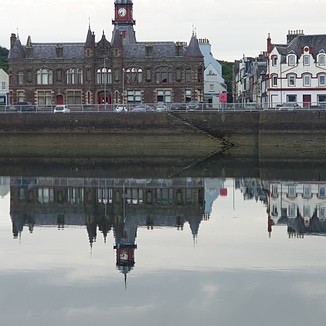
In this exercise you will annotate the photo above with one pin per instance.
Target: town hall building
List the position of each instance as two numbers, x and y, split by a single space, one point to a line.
121 70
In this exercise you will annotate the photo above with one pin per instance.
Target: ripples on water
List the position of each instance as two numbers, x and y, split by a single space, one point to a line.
181 251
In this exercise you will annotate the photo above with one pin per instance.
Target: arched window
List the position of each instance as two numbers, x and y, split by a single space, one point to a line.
74 76
21 78
164 75
134 75
44 77
104 76
321 59
291 60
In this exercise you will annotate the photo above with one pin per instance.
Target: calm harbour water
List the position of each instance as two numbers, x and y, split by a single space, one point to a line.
183 251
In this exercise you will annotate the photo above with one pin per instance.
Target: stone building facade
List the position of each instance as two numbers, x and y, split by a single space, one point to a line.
121 70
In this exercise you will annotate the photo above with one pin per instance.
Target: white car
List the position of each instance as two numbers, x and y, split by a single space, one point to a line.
61 109
121 108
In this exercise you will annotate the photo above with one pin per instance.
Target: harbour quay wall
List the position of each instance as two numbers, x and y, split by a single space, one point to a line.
260 134
269 135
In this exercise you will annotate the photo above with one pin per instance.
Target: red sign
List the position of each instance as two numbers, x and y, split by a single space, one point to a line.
223 192
223 98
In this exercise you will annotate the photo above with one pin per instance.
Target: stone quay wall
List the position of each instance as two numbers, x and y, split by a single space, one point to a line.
261 135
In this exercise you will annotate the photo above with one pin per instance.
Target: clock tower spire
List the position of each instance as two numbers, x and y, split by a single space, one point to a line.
123 12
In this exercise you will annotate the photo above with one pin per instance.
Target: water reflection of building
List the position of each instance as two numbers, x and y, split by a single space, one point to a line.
251 188
104 204
299 205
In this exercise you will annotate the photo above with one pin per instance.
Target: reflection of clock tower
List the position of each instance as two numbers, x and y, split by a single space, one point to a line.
125 231
123 12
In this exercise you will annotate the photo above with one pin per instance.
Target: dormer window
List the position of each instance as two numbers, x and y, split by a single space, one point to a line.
291 60
321 59
274 60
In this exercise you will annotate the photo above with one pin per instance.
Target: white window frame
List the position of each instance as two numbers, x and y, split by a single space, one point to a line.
291 80
321 59
306 79
291 60
306 191
274 80
306 60
321 79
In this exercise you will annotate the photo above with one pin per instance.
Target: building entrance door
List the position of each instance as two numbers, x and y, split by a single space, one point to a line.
306 101
59 99
104 98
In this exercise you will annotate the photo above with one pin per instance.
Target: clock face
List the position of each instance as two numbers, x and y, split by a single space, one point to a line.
122 12
123 255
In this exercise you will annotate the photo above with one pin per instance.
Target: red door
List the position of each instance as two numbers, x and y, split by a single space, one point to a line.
102 97
306 101
59 99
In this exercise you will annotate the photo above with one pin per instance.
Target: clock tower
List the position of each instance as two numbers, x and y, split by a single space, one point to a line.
123 12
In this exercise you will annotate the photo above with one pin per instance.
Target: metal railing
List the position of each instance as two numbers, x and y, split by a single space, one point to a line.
167 107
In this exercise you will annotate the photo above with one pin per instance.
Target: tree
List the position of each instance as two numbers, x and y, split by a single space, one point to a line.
227 74
4 58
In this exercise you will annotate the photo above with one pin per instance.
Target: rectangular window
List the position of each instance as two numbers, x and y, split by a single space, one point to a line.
291 98
74 97
274 60
20 96
306 80
188 95
3 85
322 212
291 80
292 192
306 211
306 60
322 80
274 80
291 210
274 191
44 98
134 96
322 192
306 191
211 87
321 59
291 60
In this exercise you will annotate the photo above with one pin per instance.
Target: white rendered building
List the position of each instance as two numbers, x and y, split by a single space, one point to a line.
296 71
4 87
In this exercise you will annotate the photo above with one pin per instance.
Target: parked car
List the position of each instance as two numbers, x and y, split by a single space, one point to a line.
195 105
289 106
61 109
121 108
322 106
161 108
142 108
178 107
25 107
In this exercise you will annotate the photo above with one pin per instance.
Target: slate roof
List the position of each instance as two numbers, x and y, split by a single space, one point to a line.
17 51
48 50
193 49
316 42
160 50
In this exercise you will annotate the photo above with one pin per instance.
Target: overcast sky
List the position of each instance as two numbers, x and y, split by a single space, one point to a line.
234 28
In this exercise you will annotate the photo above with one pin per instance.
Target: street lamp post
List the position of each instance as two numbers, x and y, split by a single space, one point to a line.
123 86
105 81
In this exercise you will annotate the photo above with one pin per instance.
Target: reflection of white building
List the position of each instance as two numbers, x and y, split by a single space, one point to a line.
4 87
4 186
214 83
213 188
302 204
